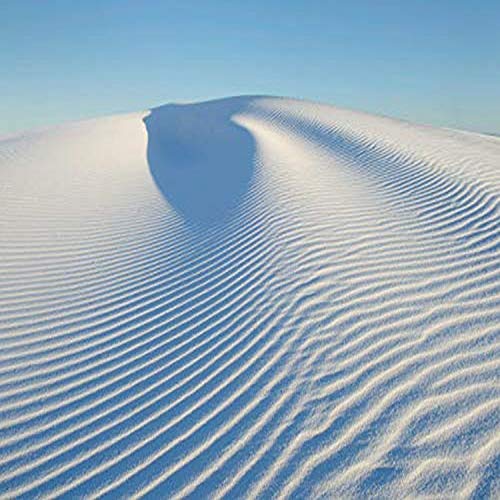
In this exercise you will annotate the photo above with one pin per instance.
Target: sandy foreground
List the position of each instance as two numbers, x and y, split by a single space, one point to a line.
249 297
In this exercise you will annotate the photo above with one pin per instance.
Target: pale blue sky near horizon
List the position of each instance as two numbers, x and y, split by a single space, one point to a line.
434 62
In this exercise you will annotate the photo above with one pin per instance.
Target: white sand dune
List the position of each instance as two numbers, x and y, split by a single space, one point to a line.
249 297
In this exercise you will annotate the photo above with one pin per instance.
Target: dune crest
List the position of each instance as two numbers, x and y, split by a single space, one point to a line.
249 297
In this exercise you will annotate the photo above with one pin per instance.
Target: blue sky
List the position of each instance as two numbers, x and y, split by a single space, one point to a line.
435 61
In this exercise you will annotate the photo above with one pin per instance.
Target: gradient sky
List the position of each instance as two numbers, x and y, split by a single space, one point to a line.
435 61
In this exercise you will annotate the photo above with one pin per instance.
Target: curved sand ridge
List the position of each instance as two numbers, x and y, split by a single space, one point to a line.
249 297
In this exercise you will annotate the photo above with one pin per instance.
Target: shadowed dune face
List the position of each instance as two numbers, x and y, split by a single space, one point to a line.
200 159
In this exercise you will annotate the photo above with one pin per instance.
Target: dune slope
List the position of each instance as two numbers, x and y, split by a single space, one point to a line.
249 297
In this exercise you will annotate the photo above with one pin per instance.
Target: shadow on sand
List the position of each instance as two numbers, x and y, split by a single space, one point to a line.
200 159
